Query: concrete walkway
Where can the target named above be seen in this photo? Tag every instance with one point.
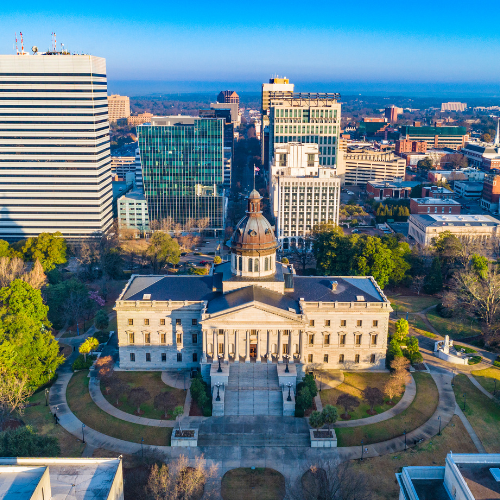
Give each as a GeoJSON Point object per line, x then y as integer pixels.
{"type": "Point", "coordinates": [479, 386]}
{"type": "Point", "coordinates": [403, 403]}
{"type": "Point", "coordinates": [470, 430]}
{"type": "Point", "coordinates": [178, 379]}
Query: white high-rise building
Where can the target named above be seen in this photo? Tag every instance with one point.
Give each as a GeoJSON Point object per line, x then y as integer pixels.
{"type": "Point", "coordinates": [303, 194]}
{"type": "Point", "coordinates": [55, 163]}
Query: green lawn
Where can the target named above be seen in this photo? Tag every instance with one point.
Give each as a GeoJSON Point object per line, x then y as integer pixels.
{"type": "Point", "coordinates": [421, 409]}
{"type": "Point", "coordinates": [456, 328]}
{"type": "Point", "coordinates": [487, 379]}
{"type": "Point", "coordinates": [257, 484]}
{"type": "Point", "coordinates": [152, 382]}
{"type": "Point", "coordinates": [411, 303]}
{"type": "Point", "coordinates": [353, 384]}
{"type": "Point", "coordinates": [90, 414]}
{"type": "Point", "coordinates": [481, 412]}
{"type": "Point", "coordinates": [42, 420]}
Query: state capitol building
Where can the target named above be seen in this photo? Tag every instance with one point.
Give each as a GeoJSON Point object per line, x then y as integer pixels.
{"type": "Point", "coordinates": [252, 309]}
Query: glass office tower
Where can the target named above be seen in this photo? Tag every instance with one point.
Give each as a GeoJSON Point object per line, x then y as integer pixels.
{"type": "Point", "coordinates": [182, 167]}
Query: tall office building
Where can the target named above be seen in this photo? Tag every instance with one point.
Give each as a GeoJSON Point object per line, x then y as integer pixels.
{"type": "Point", "coordinates": [118, 107]}
{"type": "Point", "coordinates": [275, 85]}
{"type": "Point", "coordinates": [306, 118]}
{"type": "Point", "coordinates": [55, 163]}
{"type": "Point", "coordinates": [229, 97]}
{"type": "Point", "coordinates": [303, 194]}
{"type": "Point", "coordinates": [183, 169]}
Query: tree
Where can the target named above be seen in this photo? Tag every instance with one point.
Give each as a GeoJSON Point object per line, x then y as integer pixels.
{"type": "Point", "coordinates": [101, 320]}
{"type": "Point", "coordinates": [412, 347]}
{"type": "Point", "coordinates": [113, 264]}
{"type": "Point", "coordinates": [400, 372]}
{"type": "Point", "coordinates": [115, 387]}
{"type": "Point", "coordinates": [49, 249]}
{"type": "Point", "coordinates": [162, 402]}
{"type": "Point", "coordinates": [333, 251]}
{"type": "Point", "coordinates": [217, 260]}
{"type": "Point", "coordinates": [203, 223]}
{"type": "Point", "coordinates": [178, 412]}
{"type": "Point", "coordinates": [449, 250]}
{"type": "Point", "coordinates": [416, 191]}
{"type": "Point", "coordinates": [425, 164]}
{"type": "Point", "coordinates": [104, 368]}
{"type": "Point", "coordinates": [393, 388]}
{"type": "Point", "coordinates": [14, 393]}
{"type": "Point", "coordinates": [402, 329]}
{"type": "Point", "coordinates": [316, 420]}
{"type": "Point", "coordinates": [418, 283]}
{"type": "Point", "coordinates": [373, 396]}
{"type": "Point", "coordinates": [88, 346]}
{"type": "Point", "coordinates": [162, 250]}
{"type": "Point", "coordinates": [348, 402]}
{"type": "Point", "coordinates": [304, 399]}
{"type": "Point", "coordinates": [284, 260]}
{"type": "Point", "coordinates": [26, 344]}
{"type": "Point", "coordinates": [330, 480]}
{"type": "Point", "coordinates": [485, 137]}
{"type": "Point", "coordinates": [302, 252]}
{"type": "Point", "coordinates": [36, 277]}
{"type": "Point", "coordinates": [329, 414]}
{"type": "Point", "coordinates": [310, 383]}
{"type": "Point", "coordinates": [433, 281]}
{"type": "Point", "coordinates": [137, 396]}
{"type": "Point", "coordinates": [25, 442]}
{"type": "Point", "coordinates": [178, 480]}
{"type": "Point", "coordinates": [456, 161]}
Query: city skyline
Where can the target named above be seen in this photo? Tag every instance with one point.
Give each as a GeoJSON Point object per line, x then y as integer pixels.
{"type": "Point", "coordinates": [240, 44]}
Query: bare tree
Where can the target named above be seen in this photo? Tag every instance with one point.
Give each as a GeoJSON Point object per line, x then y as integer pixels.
{"type": "Point", "coordinates": [303, 252]}
{"type": "Point", "coordinates": [163, 402]}
{"type": "Point", "coordinates": [137, 396]}
{"type": "Point", "coordinates": [329, 480]}
{"type": "Point", "coordinates": [373, 396]}
{"type": "Point", "coordinates": [393, 388]}
{"type": "Point", "coordinates": [348, 402]}
{"type": "Point", "coordinates": [189, 225]}
{"type": "Point", "coordinates": [181, 481]}
{"type": "Point", "coordinates": [104, 368]}
{"type": "Point", "coordinates": [418, 283]}
{"type": "Point", "coordinates": [115, 388]}
{"type": "Point", "coordinates": [11, 269]}
{"type": "Point", "coordinates": [14, 393]}
{"type": "Point", "coordinates": [202, 224]}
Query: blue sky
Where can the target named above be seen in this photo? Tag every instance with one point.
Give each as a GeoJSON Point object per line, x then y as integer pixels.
{"type": "Point", "coordinates": [388, 43]}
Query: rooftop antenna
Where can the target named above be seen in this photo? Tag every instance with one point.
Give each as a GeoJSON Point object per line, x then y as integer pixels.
{"type": "Point", "coordinates": [22, 43]}
{"type": "Point", "coordinates": [17, 50]}
{"type": "Point", "coordinates": [497, 135]}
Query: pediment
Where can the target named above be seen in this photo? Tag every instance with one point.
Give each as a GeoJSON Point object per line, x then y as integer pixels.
{"type": "Point", "coordinates": [256, 312]}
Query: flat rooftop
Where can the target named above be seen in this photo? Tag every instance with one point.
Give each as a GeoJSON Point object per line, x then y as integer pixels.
{"type": "Point", "coordinates": [480, 480]}
{"type": "Point", "coordinates": [70, 478]}
{"type": "Point", "coordinates": [435, 201]}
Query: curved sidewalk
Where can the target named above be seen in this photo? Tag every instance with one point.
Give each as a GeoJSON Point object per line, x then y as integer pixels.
{"type": "Point", "coordinates": [405, 402]}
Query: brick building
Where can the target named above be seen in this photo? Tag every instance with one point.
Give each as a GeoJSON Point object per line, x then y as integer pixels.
{"type": "Point", "coordinates": [434, 206]}
{"type": "Point", "coordinates": [491, 193]}
{"type": "Point", "coordinates": [407, 146]}
{"type": "Point", "coordinates": [437, 193]}
{"type": "Point", "coordinates": [396, 189]}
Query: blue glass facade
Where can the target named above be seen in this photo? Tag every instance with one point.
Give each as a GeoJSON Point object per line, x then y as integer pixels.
{"type": "Point", "coordinates": [182, 167]}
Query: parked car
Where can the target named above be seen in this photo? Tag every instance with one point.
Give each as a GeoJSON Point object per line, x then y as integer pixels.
{"type": "Point", "coordinates": [204, 262]}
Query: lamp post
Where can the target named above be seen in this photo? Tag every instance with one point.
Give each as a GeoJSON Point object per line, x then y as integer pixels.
{"type": "Point", "coordinates": [219, 370]}
{"type": "Point", "coordinates": [46, 396]}
{"type": "Point", "coordinates": [56, 418]}
{"type": "Point", "coordinates": [465, 400]}
{"type": "Point", "coordinates": [289, 398]}
{"type": "Point", "coordinates": [362, 449]}
{"type": "Point", "coordinates": [286, 369]}
{"type": "Point", "coordinates": [83, 433]}
{"type": "Point", "coordinates": [439, 418]}
{"type": "Point", "coordinates": [405, 438]}
{"type": "Point", "coordinates": [218, 395]}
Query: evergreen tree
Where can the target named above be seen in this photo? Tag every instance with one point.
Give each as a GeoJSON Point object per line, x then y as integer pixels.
{"type": "Point", "coordinates": [433, 282]}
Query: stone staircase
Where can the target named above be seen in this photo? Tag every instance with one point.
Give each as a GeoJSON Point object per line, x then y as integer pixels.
{"type": "Point", "coordinates": [253, 389]}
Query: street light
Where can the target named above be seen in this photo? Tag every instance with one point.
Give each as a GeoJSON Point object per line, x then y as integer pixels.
{"type": "Point", "coordinates": [439, 418]}
{"type": "Point", "coordinates": [218, 395]}
{"type": "Point", "coordinates": [465, 400]}
{"type": "Point", "coordinates": [289, 398]}
{"type": "Point", "coordinates": [56, 418]}
{"type": "Point", "coordinates": [220, 367]}
{"type": "Point", "coordinates": [405, 438]}
{"type": "Point", "coordinates": [83, 433]}
{"type": "Point", "coordinates": [46, 396]}
{"type": "Point", "coordinates": [362, 449]}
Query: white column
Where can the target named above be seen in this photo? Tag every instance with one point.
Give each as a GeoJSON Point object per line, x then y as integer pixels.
{"type": "Point", "coordinates": [280, 348]}
{"type": "Point", "coordinates": [204, 346]}
{"type": "Point", "coordinates": [301, 346]}
{"type": "Point", "coordinates": [226, 346]}
{"type": "Point", "coordinates": [236, 346]}
{"type": "Point", "coordinates": [259, 360]}
{"type": "Point", "coordinates": [247, 352]}
{"type": "Point", "coordinates": [290, 346]}
{"type": "Point", "coordinates": [269, 355]}
{"type": "Point", "coordinates": [215, 346]}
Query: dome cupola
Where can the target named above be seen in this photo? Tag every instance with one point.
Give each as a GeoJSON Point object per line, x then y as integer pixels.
{"type": "Point", "coordinates": [253, 244]}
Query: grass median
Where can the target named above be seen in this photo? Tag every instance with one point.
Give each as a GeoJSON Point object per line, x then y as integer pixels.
{"type": "Point", "coordinates": [489, 378]}
{"type": "Point", "coordinates": [482, 412]}
{"type": "Point", "coordinates": [420, 410]}
{"type": "Point", "coordinates": [92, 416]}
{"type": "Point", "coordinates": [253, 484]}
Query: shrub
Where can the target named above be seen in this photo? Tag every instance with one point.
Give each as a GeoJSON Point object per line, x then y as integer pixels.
{"type": "Point", "coordinates": [316, 420]}
{"type": "Point", "coordinates": [496, 363]}
{"type": "Point", "coordinates": [416, 358]}
{"type": "Point", "coordinates": [25, 442]}
{"type": "Point", "coordinates": [81, 363]}
{"type": "Point", "coordinates": [101, 336]}
{"type": "Point", "coordinates": [474, 360]}
{"type": "Point", "coordinates": [217, 260]}
{"type": "Point", "coordinates": [284, 260]}
{"type": "Point", "coordinates": [467, 350]}
{"type": "Point", "coordinates": [200, 392]}
{"type": "Point", "coordinates": [310, 383]}
{"type": "Point", "coordinates": [444, 312]}
{"type": "Point", "coordinates": [304, 399]}
{"type": "Point", "coordinates": [101, 320]}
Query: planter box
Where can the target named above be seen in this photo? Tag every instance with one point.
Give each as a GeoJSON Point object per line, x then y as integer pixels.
{"type": "Point", "coordinates": [323, 442]}
{"type": "Point", "coordinates": [188, 441]}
